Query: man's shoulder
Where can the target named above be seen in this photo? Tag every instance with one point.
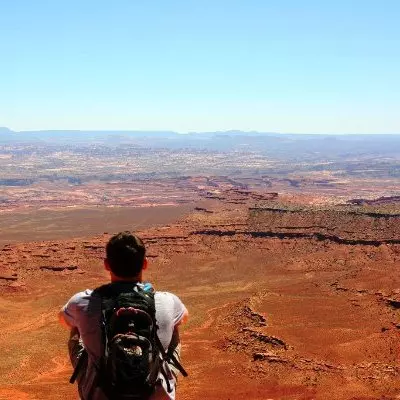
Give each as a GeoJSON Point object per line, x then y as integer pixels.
{"type": "Point", "coordinates": [80, 297]}
{"type": "Point", "coordinates": [168, 299]}
{"type": "Point", "coordinates": [82, 294]}
{"type": "Point", "coordinates": [159, 294]}
{"type": "Point", "coordinates": [88, 295]}
{"type": "Point", "coordinates": [168, 303]}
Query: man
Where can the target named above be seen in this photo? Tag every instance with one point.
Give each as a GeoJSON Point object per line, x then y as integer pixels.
{"type": "Point", "coordinates": [125, 261]}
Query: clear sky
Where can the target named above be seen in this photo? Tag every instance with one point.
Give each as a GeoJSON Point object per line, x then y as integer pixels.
{"type": "Point", "coordinates": [201, 65]}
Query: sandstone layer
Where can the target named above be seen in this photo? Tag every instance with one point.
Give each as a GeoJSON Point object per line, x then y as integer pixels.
{"type": "Point", "coordinates": [287, 300]}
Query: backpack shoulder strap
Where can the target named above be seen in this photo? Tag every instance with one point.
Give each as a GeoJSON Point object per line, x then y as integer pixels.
{"type": "Point", "coordinates": [112, 290]}
{"type": "Point", "coordinates": [169, 356]}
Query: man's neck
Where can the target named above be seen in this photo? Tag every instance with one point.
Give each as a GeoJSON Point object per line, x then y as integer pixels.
{"type": "Point", "coordinates": [133, 279]}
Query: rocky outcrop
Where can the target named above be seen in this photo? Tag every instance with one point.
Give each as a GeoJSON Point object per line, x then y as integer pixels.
{"type": "Point", "coordinates": [12, 277]}
{"type": "Point", "coordinates": [261, 337]}
{"type": "Point", "coordinates": [93, 247]}
{"type": "Point", "coordinates": [203, 210]}
{"type": "Point", "coordinates": [297, 235]}
{"type": "Point", "coordinates": [393, 303]}
{"type": "Point", "coordinates": [378, 201]}
{"type": "Point", "coordinates": [59, 268]}
{"type": "Point", "coordinates": [270, 357]}
{"type": "Point", "coordinates": [297, 210]}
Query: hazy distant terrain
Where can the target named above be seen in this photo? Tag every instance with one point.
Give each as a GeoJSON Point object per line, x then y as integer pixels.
{"type": "Point", "coordinates": [85, 153]}
{"type": "Point", "coordinates": [76, 168]}
{"type": "Point", "coordinates": [285, 146]}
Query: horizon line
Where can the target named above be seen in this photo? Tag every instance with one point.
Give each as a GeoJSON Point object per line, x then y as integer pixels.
{"type": "Point", "coordinates": [196, 132]}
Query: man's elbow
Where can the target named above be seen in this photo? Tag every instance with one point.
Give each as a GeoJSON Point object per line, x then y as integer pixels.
{"type": "Point", "coordinates": [184, 318]}
{"type": "Point", "coordinates": [62, 320]}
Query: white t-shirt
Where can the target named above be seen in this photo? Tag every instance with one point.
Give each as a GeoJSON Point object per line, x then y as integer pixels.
{"type": "Point", "coordinates": [83, 311]}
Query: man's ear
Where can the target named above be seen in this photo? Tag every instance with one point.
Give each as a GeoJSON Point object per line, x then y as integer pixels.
{"type": "Point", "coordinates": [145, 264]}
{"type": "Point", "coordinates": [106, 264]}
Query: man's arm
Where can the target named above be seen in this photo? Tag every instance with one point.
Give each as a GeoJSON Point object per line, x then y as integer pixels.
{"type": "Point", "coordinates": [184, 318]}
{"type": "Point", "coordinates": [63, 322]}
{"type": "Point", "coordinates": [174, 349]}
{"type": "Point", "coordinates": [69, 313]}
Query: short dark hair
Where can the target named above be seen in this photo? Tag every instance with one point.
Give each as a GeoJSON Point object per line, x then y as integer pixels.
{"type": "Point", "coordinates": [125, 254]}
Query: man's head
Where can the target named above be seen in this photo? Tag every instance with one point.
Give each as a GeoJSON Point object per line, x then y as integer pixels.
{"type": "Point", "coordinates": [125, 255]}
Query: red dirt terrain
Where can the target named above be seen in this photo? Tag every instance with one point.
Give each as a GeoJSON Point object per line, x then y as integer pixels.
{"type": "Point", "coordinates": [288, 300]}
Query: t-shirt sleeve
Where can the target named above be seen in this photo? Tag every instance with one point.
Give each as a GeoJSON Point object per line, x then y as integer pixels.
{"type": "Point", "coordinates": [71, 309]}
{"type": "Point", "coordinates": [179, 309]}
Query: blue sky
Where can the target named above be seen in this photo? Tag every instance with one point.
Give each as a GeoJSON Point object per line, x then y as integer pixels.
{"type": "Point", "coordinates": [201, 65]}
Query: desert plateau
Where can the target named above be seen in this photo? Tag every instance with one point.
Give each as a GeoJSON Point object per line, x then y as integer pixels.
{"type": "Point", "coordinates": [288, 262]}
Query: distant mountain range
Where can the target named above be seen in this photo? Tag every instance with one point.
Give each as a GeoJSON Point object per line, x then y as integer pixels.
{"type": "Point", "coordinates": [269, 143]}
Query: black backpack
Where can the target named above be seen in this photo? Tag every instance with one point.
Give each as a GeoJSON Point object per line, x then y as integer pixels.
{"type": "Point", "coordinates": [133, 354]}
{"type": "Point", "coordinates": [131, 360]}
